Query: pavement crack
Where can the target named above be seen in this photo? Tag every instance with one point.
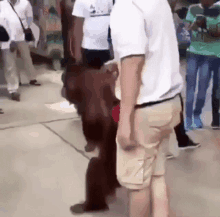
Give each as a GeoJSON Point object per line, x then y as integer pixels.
{"type": "Point", "coordinates": [34, 123]}
{"type": "Point", "coordinates": [79, 151]}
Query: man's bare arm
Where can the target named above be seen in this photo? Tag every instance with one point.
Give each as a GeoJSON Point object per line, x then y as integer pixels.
{"type": "Point", "coordinates": [131, 68]}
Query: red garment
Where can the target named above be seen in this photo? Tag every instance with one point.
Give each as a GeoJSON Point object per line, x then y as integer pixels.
{"type": "Point", "coordinates": [115, 113]}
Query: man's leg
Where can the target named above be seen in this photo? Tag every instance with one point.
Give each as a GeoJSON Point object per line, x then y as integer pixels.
{"type": "Point", "coordinates": [191, 75]}
{"type": "Point", "coordinates": [184, 142]}
{"type": "Point", "coordinates": [139, 202]}
{"type": "Point", "coordinates": [11, 75]}
{"type": "Point", "coordinates": [215, 93]}
{"type": "Point", "coordinates": [160, 202]}
{"type": "Point", "coordinates": [24, 51]}
{"type": "Point", "coordinates": [204, 79]}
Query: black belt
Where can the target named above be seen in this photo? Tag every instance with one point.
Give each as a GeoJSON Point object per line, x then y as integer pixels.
{"type": "Point", "coordinates": [154, 103]}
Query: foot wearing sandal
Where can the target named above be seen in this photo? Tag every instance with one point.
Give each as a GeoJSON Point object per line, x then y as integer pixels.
{"type": "Point", "coordinates": [15, 96]}
{"type": "Point", "coordinates": [34, 83]}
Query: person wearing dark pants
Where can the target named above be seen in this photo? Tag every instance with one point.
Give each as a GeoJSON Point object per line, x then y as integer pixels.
{"type": "Point", "coordinates": [184, 142]}
{"type": "Point", "coordinates": [95, 57]}
{"type": "Point", "coordinates": [67, 24]}
{"type": "Point", "coordinates": [215, 93]}
{"type": "Point", "coordinates": [88, 38]}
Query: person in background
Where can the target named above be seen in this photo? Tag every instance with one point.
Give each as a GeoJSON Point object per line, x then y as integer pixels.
{"type": "Point", "coordinates": [146, 49]}
{"type": "Point", "coordinates": [184, 141]}
{"type": "Point", "coordinates": [215, 65]}
{"type": "Point", "coordinates": [24, 10]}
{"type": "Point", "coordinates": [89, 37]}
{"type": "Point", "coordinates": [90, 32]}
{"type": "Point", "coordinates": [202, 49]}
{"type": "Point", "coordinates": [67, 25]}
{"type": "Point", "coordinates": [10, 22]}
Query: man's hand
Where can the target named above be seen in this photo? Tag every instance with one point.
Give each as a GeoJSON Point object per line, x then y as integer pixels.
{"type": "Point", "coordinates": [126, 134]}
{"type": "Point", "coordinates": [13, 46]}
{"type": "Point", "coordinates": [111, 67]}
{"type": "Point", "coordinates": [124, 137]}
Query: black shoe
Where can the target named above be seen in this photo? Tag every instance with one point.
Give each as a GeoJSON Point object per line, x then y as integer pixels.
{"type": "Point", "coordinates": [15, 96]}
{"type": "Point", "coordinates": [1, 111]}
{"type": "Point", "coordinates": [215, 126]}
{"type": "Point", "coordinates": [20, 84]}
{"type": "Point", "coordinates": [190, 145]}
{"type": "Point", "coordinates": [34, 83]}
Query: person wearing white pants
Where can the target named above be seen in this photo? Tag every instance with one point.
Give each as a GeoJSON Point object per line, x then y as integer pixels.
{"type": "Point", "coordinates": [11, 23]}
{"type": "Point", "coordinates": [24, 11]}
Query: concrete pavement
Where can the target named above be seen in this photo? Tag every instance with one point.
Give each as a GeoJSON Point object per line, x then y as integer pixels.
{"type": "Point", "coordinates": [43, 163]}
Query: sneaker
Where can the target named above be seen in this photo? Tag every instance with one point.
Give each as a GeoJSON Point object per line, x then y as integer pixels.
{"type": "Point", "coordinates": [188, 124]}
{"type": "Point", "coordinates": [215, 126]}
{"type": "Point", "coordinates": [15, 96]}
{"type": "Point", "coordinates": [190, 145]}
{"type": "Point", "coordinates": [197, 122]}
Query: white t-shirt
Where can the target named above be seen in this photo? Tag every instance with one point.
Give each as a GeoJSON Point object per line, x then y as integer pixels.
{"type": "Point", "coordinates": [147, 27]}
{"type": "Point", "coordinates": [25, 12]}
{"type": "Point", "coordinates": [11, 23]}
{"type": "Point", "coordinates": [96, 24]}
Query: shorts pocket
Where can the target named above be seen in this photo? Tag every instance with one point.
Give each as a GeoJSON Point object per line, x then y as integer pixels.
{"type": "Point", "coordinates": [133, 172]}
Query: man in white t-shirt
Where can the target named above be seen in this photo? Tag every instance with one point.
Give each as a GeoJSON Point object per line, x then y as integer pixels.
{"type": "Point", "coordinates": [90, 31]}
{"type": "Point", "coordinates": [144, 40]}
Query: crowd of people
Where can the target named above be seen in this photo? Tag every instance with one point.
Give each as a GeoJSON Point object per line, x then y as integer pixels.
{"type": "Point", "coordinates": [145, 45]}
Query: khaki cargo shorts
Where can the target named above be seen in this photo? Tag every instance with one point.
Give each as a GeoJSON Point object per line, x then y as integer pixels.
{"type": "Point", "coordinates": [153, 127]}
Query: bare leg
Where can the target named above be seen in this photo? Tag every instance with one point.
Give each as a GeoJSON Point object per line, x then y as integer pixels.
{"type": "Point", "coordinates": [139, 203]}
{"type": "Point", "coordinates": [159, 197]}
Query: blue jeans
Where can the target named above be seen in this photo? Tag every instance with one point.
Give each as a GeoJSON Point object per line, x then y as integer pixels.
{"type": "Point", "coordinates": [196, 63]}
{"type": "Point", "coordinates": [215, 67]}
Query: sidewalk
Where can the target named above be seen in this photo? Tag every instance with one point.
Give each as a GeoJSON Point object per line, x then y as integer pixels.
{"type": "Point", "coordinates": [43, 163]}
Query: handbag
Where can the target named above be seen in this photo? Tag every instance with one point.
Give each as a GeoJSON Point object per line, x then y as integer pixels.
{"type": "Point", "coordinates": [4, 37]}
{"type": "Point", "coordinates": [27, 32]}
